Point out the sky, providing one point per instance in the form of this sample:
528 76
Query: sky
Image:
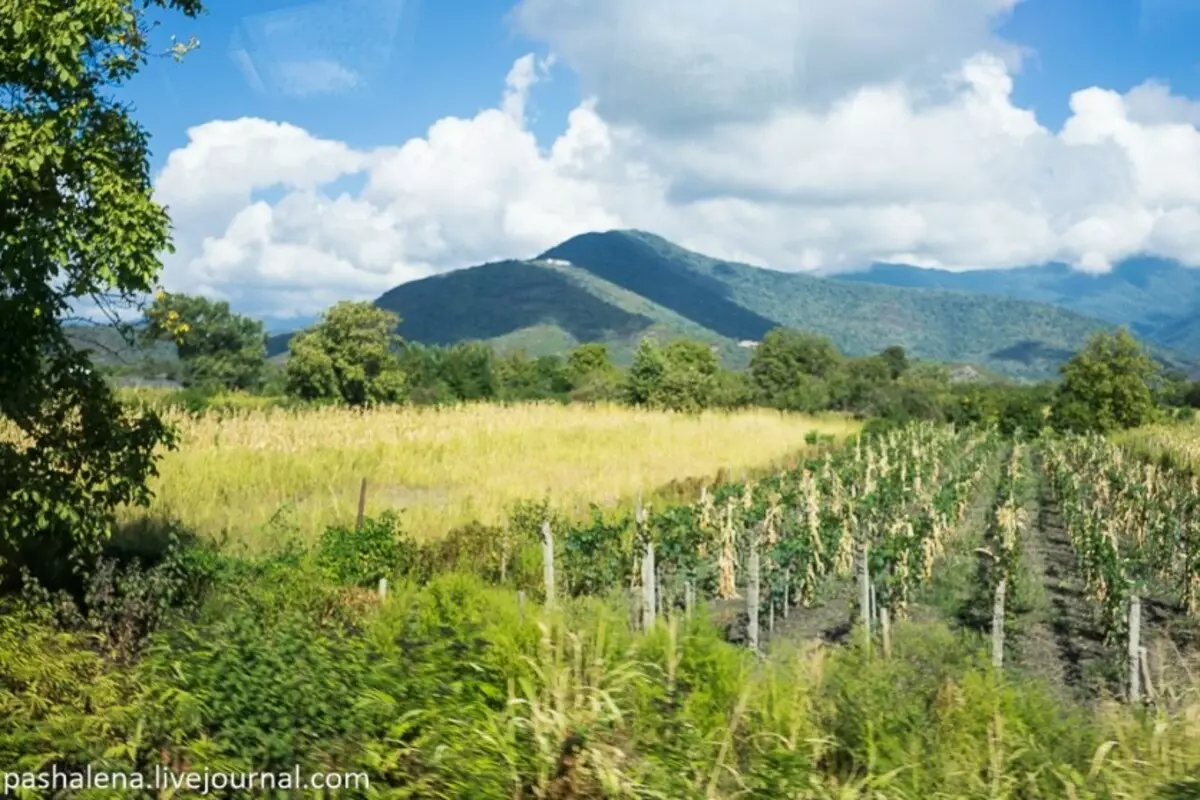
314 152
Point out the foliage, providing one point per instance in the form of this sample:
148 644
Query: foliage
78 224
682 376
350 355
217 347
1107 386
361 556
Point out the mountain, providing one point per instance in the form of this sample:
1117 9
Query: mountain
1158 299
619 286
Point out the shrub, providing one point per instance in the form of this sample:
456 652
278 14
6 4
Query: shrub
361 556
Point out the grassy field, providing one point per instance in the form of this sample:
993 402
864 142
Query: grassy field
445 467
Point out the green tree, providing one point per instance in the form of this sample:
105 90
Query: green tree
789 368
1106 386
217 347
587 360
896 359
680 377
78 224
350 355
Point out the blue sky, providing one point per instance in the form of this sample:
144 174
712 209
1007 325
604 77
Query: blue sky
449 59
436 59
311 152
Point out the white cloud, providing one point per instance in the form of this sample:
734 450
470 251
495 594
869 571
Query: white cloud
671 65
885 159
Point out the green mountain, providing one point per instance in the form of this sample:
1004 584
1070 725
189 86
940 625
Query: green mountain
619 286
1158 299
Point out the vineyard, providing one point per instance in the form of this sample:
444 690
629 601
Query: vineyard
917 612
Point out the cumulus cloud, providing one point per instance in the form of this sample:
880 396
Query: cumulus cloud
885 159
672 65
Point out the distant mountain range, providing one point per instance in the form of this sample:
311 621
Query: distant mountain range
1158 300
619 286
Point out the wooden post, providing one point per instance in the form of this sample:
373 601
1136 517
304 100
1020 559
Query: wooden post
689 598
874 607
752 593
1144 657
521 604
383 589
648 604
1135 661
864 591
787 586
771 616
885 630
548 562
362 505
504 553
998 624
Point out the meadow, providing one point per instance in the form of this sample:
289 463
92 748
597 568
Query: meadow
233 473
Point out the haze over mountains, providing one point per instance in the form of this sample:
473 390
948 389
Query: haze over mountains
619 286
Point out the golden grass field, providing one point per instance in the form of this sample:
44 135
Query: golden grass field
1178 444
445 467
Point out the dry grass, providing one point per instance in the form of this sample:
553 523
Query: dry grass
450 466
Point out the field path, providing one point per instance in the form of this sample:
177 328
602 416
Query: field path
1058 640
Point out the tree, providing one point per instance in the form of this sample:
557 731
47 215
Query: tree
786 362
1106 386
350 355
217 347
680 377
78 224
896 359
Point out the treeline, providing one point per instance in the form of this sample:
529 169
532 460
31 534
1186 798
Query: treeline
355 355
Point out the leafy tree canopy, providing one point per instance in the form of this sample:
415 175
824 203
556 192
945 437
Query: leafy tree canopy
218 348
78 223
351 355
786 358
1107 386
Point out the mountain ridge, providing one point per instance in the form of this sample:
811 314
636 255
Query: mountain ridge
618 286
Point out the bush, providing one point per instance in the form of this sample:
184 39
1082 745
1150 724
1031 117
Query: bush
361 556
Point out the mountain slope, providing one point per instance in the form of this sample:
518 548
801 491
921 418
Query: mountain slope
620 286
1014 337
1157 299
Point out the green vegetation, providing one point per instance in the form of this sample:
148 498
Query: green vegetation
77 224
348 356
217 348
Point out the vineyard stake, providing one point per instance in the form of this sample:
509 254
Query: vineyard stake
885 630
362 505
689 598
648 604
383 588
521 604
1135 661
504 553
548 562
771 615
864 591
998 624
752 593
1144 657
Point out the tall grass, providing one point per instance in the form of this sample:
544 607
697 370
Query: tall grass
233 473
